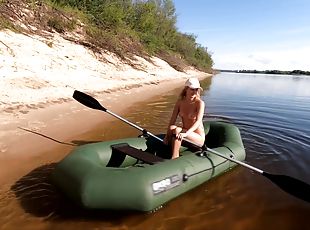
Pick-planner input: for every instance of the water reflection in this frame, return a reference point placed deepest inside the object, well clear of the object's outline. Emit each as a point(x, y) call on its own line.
point(263, 85)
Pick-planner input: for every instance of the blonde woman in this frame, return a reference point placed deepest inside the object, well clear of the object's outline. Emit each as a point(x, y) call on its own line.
point(191, 109)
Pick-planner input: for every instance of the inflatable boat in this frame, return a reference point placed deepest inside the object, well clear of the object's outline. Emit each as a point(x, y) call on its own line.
point(137, 174)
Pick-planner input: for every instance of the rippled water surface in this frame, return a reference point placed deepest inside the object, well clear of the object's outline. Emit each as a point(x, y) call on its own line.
point(272, 113)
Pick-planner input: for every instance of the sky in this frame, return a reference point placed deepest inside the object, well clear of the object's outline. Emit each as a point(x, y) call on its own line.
point(250, 34)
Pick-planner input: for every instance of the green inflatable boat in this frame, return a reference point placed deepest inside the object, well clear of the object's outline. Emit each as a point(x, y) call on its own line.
point(137, 174)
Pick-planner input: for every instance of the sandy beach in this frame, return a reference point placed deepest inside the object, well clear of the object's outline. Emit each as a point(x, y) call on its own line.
point(38, 77)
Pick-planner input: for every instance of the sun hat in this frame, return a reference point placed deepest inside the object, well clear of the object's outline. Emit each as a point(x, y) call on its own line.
point(193, 83)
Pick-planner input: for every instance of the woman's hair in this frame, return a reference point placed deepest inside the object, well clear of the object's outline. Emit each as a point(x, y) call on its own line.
point(183, 93)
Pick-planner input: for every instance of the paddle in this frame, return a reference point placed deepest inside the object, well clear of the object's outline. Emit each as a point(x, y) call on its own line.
point(91, 102)
point(289, 184)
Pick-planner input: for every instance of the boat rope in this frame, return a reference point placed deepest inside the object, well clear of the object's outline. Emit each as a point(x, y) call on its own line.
point(205, 154)
point(232, 153)
point(186, 176)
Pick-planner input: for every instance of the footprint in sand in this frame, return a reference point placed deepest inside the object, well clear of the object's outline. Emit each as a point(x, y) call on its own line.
point(3, 147)
point(36, 125)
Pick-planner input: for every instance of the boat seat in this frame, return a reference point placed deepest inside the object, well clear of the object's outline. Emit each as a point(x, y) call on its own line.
point(124, 149)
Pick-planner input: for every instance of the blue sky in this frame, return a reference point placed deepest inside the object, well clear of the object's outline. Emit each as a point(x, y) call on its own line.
point(250, 34)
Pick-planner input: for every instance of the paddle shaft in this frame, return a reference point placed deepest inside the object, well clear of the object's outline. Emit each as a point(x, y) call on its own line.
point(208, 149)
point(236, 161)
point(133, 125)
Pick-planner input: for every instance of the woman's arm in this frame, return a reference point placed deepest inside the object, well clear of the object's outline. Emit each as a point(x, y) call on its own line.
point(174, 114)
point(172, 122)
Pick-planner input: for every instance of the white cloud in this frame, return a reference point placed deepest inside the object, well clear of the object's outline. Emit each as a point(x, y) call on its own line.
point(290, 59)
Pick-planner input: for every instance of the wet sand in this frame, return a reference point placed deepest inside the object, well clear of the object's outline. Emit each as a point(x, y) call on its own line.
point(25, 137)
point(33, 143)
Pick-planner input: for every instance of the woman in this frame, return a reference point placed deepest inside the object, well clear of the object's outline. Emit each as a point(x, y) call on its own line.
point(191, 109)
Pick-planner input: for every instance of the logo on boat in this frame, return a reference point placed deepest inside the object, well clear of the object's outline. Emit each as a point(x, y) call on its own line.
point(166, 184)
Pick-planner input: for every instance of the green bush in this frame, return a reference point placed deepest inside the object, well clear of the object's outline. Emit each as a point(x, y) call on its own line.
point(61, 25)
point(152, 22)
point(5, 24)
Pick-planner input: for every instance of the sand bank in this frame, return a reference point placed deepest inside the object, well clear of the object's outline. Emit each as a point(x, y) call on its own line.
point(38, 76)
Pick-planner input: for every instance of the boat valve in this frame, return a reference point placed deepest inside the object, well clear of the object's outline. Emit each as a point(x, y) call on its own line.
point(203, 154)
point(185, 177)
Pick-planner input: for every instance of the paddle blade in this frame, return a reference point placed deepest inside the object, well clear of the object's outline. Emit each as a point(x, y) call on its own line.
point(87, 100)
point(291, 185)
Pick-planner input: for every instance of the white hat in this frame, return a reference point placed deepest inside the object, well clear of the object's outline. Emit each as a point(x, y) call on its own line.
point(193, 83)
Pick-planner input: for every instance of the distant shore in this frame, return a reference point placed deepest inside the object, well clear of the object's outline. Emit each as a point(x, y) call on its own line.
point(293, 72)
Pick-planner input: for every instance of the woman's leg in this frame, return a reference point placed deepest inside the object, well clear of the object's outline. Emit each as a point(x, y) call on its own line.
point(196, 138)
point(168, 137)
point(176, 143)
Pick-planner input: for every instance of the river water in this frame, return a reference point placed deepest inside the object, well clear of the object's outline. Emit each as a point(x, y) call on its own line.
point(272, 113)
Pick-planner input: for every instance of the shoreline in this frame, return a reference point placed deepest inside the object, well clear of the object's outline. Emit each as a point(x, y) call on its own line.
point(39, 118)
point(40, 73)
point(37, 70)
point(45, 134)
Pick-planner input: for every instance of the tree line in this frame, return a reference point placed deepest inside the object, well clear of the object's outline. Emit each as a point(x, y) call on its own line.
point(151, 23)
point(293, 72)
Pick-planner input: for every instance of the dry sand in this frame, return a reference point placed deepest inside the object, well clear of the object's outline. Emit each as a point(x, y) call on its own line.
point(37, 79)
